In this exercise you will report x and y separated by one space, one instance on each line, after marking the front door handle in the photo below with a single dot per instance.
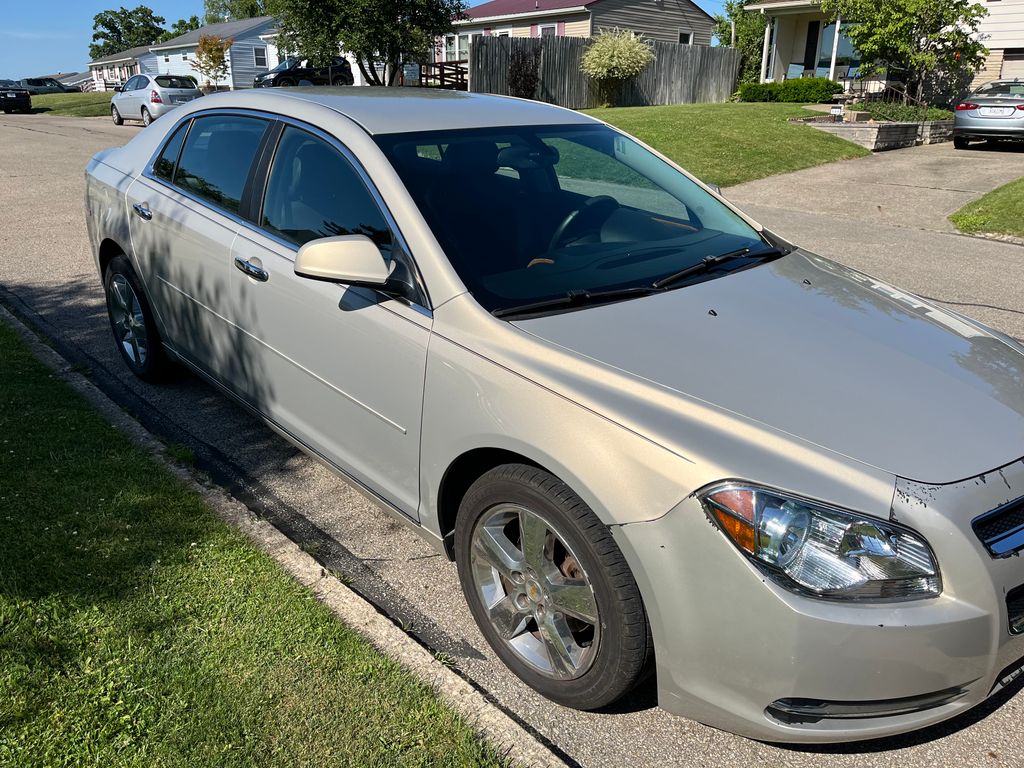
143 211
256 273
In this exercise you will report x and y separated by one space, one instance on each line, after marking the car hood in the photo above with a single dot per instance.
811 348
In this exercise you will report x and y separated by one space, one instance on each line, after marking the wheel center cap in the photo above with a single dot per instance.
534 592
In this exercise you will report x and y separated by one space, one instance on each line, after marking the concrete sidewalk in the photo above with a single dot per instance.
886 214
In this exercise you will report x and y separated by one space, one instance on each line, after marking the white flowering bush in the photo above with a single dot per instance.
616 54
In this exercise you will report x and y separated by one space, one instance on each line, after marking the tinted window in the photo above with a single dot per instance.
218 153
313 192
171 81
164 166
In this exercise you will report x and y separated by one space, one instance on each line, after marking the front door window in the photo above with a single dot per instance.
847 57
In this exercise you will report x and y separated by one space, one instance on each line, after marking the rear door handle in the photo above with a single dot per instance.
143 211
256 273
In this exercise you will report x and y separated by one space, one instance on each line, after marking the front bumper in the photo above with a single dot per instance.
737 651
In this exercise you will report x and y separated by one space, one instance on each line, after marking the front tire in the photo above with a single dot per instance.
131 321
550 589
285 83
146 117
115 115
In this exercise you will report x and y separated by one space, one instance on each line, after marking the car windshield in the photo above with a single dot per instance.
171 81
286 64
530 214
1002 89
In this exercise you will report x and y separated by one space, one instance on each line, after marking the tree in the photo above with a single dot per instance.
116 31
312 28
393 30
211 60
180 27
224 10
615 56
918 41
749 37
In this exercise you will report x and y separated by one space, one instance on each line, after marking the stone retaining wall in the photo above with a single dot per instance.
879 137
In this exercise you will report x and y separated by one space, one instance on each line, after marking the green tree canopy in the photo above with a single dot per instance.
920 42
116 31
749 37
180 27
224 10
388 31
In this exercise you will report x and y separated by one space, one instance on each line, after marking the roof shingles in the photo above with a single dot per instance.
522 7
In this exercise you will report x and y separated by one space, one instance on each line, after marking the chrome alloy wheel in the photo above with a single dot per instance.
536 594
128 321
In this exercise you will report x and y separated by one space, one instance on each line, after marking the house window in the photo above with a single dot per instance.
456 47
167 58
685 38
184 56
503 33
259 56
548 30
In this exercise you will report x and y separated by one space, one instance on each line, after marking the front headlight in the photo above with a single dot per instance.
813 548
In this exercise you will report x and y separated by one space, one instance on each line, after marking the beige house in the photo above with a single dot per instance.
800 41
671 21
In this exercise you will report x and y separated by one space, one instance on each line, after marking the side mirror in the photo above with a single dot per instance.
349 259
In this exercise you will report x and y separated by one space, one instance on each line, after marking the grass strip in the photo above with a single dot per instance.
1001 212
136 629
728 144
73 104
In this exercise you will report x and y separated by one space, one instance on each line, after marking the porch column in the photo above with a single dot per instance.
764 49
835 49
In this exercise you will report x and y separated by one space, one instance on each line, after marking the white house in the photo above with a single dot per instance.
800 41
250 53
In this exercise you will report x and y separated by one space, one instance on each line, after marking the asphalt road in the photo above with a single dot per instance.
885 217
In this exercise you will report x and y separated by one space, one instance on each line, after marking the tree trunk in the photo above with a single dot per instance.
369 72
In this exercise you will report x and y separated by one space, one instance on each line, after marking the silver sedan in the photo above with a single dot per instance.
654 436
147 97
993 112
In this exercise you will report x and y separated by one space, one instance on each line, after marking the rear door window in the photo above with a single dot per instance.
217 157
163 168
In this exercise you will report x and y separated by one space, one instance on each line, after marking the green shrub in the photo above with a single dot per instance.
805 90
901 113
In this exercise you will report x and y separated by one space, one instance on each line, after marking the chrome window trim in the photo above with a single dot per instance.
423 309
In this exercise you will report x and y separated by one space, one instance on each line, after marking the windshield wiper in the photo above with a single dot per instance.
577 298
709 262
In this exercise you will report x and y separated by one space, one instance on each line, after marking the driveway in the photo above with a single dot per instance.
886 214
47 274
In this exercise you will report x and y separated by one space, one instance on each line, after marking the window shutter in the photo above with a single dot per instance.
560 30
534 32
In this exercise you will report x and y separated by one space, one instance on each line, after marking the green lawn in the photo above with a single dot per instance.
138 630
73 104
1001 211
728 144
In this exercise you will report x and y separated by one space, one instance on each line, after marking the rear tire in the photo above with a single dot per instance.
146 117
131 321
342 81
565 614
115 115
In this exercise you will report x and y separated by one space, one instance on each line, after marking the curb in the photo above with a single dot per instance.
512 741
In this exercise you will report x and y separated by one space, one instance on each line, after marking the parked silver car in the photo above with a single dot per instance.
652 434
147 97
993 112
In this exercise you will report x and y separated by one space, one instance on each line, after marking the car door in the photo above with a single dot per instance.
338 367
126 99
184 216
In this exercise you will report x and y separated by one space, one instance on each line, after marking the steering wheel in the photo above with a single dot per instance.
584 218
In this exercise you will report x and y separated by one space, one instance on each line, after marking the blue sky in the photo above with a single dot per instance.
40 37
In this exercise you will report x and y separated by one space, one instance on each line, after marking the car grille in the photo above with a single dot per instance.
1002 529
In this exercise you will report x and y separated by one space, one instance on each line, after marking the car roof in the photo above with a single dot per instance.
406 110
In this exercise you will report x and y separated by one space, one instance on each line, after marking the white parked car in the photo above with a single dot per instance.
146 97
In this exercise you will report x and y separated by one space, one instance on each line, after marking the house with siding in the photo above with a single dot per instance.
250 53
670 21
801 41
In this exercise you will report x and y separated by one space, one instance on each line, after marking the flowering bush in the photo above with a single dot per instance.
616 54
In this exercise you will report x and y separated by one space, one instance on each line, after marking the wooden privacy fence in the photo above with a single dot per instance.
680 74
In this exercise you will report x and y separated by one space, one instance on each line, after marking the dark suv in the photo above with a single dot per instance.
296 71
